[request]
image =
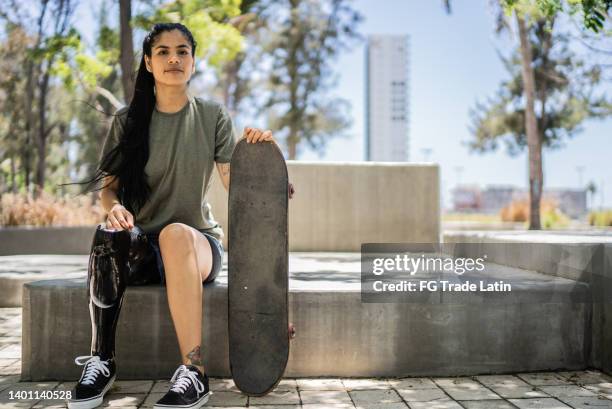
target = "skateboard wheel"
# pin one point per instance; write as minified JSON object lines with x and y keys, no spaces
{"x":291,"y":331}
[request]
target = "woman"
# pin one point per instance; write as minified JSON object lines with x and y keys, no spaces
{"x":156,"y":167}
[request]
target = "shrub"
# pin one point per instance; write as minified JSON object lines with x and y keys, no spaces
{"x":550,"y":215}
{"x":49,"y":210}
{"x":601,"y":218}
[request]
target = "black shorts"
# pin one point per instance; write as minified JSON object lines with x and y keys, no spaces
{"x":217,"y":255}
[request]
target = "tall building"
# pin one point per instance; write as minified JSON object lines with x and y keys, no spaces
{"x":386,"y":97}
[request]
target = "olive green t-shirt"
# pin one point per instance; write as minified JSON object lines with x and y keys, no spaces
{"x":183,"y":148}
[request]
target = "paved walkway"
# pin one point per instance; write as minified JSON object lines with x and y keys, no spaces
{"x":581,"y":389}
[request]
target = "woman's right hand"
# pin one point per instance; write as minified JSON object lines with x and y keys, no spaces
{"x":119,"y":218}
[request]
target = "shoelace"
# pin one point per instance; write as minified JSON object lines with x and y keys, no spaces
{"x":93,"y":367}
{"x":183,"y":377}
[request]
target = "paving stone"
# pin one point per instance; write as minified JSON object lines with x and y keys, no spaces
{"x":587,"y":402}
{"x":287,"y":384}
{"x":164,"y":386}
{"x":223,"y":407}
{"x":10,"y":352}
{"x":221,"y":384}
{"x":16,"y":404}
{"x":566,"y":390}
{"x":273,"y":407}
{"x":5,"y":396}
{"x":539,"y":403}
{"x":50,"y":405}
{"x":227,"y":398}
{"x":486,"y":404}
{"x":449,"y":382}
{"x":416,"y":383}
{"x":277,"y":407}
{"x":151,"y":399}
{"x":123,"y":399}
{"x":326,"y":397}
{"x":517,"y":392}
{"x":277,"y":397}
{"x":501,"y":380}
{"x":421,"y":395}
{"x":543,"y":378}
{"x":367,"y":384}
{"x":585,"y":377}
{"x":603,"y":388}
{"x":470,"y":392}
{"x":10,"y":370}
{"x":367,"y":397}
{"x":438,"y":404}
{"x":320,"y":384}
{"x":396,"y":405}
{"x":8,"y":362}
{"x":322,"y":406}
{"x":6,"y":381}
{"x":130,"y":387}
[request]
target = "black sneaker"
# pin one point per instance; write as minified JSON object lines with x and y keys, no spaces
{"x":97,"y":378}
{"x":189,"y":389}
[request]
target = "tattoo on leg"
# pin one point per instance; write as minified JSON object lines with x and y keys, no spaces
{"x":195,"y":356}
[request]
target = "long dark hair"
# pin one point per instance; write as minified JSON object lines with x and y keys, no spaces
{"x":129,"y":158}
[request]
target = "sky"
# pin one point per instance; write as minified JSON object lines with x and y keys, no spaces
{"x":453,"y":64}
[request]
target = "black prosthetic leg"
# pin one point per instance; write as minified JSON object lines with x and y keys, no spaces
{"x":117,"y":259}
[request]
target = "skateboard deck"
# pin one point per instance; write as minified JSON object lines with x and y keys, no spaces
{"x":258,"y":267}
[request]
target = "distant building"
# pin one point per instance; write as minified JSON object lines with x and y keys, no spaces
{"x":466,"y":198}
{"x":386,"y":98}
{"x":492,"y":199}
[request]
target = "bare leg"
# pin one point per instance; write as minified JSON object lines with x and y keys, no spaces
{"x":188,"y":261}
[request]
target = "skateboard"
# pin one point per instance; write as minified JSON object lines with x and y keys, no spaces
{"x":258,"y":282}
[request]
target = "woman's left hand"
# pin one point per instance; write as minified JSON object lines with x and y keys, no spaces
{"x":254,"y":135}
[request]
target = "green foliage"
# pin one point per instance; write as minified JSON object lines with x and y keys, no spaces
{"x":594,"y":12}
{"x":566,"y":95}
{"x":601,"y":218}
{"x":218,"y":41}
{"x":554,"y":219}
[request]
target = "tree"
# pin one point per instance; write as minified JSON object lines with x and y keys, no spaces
{"x":526,"y":13}
{"x":127,"y":49}
{"x":591,"y":189}
{"x":523,"y":9}
{"x":301,"y":44}
{"x":564,"y":90}
{"x":12,"y":115}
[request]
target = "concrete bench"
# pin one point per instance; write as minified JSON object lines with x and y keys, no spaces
{"x":583,"y":256}
{"x":544,"y":324}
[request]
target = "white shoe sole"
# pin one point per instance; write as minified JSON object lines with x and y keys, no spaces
{"x":91,"y":402}
{"x":195,"y":405}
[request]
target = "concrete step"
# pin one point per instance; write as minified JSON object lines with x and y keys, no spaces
{"x":585,"y":256}
{"x":542,"y":324}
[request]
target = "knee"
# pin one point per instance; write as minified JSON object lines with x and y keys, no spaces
{"x":176,"y":237}
{"x":174,"y":233}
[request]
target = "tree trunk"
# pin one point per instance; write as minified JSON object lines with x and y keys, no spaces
{"x":127,"y":49}
{"x":533,"y":137}
{"x":41,"y":142}
{"x":13,"y":172}
{"x":292,"y":141}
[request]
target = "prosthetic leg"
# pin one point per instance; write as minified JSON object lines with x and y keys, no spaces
{"x":117,"y":259}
